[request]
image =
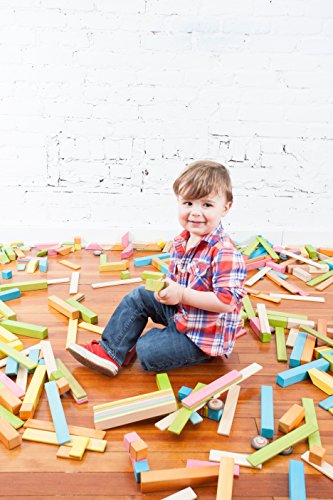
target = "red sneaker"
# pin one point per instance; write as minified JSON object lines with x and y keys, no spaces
{"x":93,"y":356}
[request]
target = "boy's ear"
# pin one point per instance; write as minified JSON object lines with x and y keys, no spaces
{"x":227,"y":208}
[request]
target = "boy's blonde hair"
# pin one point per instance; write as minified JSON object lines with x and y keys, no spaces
{"x":201,"y":178}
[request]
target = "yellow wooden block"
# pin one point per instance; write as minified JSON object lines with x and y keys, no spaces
{"x":32,"y":266}
{"x":48,"y":437}
{"x":16,"y":344}
{"x":69,"y":264}
{"x":33,"y":393}
{"x":114,"y":266}
{"x":62,"y":307}
{"x":77,"y":243}
{"x":226,"y":479}
{"x":117,"y":247}
{"x":6,"y":336}
{"x":71,"y":332}
{"x":322,"y":380}
{"x":91,"y":328}
{"x":79,"y":447}
{"x":46,"y":425}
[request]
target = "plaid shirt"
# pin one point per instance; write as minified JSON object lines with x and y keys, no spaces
{"x":215,"y":265}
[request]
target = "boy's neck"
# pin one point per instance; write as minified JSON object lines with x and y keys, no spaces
{"x":193,"y":241}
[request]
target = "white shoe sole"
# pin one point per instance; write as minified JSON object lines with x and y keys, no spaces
{"x":92,"y":361}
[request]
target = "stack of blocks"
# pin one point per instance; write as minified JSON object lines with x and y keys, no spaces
{"x":138,"y":453}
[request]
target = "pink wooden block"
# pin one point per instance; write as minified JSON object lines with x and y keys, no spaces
{"x":255,"y":325}
{"x":277,"y":267}
{"x":94,"y":246}
{"x":258,"y":263}
{"x":130,"y":438}
{"x":127,"y":252}
{"x":11,"y":385}
{"x":214,"y":387}
{"x":300,"y":291}
{"x":202,"y":463}
{"x":79,"y":401}
{"x":52,"y":251}
{"x":43,"y":246}
{"x":241,"y":332}
{"x":125,"y":240}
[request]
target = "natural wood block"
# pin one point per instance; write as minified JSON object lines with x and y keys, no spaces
{"x":292,"y":418}
{"x":62,"y":307}
{"x":138,"y":450}
{"x":8,"y":435}
{"x":317,"y":454}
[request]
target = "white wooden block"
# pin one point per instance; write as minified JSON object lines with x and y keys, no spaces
{"x":225,"y":423}
{"x":116,"y":282}
{"x":22,"y":377}
{"x":263,"y":320}
{"x":57,"y":280}
{"x":301,"y":274}
{"x":74,"y":285}
{"x":305,"y":298}
{"x":240,"y":458}
{"x":256,"y":277}
{"x":50,"y":362}
{"x":292,"y":336}
{"x":186,"y":494}
{"x":325,"y":468}
{"x":294,"y":322}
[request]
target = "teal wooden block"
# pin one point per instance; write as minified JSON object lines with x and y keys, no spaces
{"x":140,"y":466}
{"x":297,"y":489}
{"x":12,"y":367}
{"x":43,"y":264}
{"x":267,"y":412}
{"x":7,"y":275}
{"x":13,"y":293}
{"x":327,"y":403}
{"x":147,"y":260}
{"x":296,"y":353}
{"x":300,"y":373}
{"x":57,"y":412}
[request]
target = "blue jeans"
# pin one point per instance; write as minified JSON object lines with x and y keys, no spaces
{"x":159,"y":349}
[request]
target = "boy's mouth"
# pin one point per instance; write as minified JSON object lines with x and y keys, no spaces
{"x":196,"y":222}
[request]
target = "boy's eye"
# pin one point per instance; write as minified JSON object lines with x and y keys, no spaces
{"x":208,"y":205}
{"x":187,"y":203}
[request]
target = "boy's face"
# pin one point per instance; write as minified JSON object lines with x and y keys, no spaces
{"x":200,"y":217}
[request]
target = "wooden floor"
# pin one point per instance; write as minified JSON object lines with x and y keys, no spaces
{"x":33,"y":471}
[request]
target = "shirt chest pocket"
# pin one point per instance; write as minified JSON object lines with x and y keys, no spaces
{"x":199,"y":275}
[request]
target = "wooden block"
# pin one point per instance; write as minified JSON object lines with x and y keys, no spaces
{"x":91,"y":328}
{"x":25,"y":329}
{"x":190,"y":462}
{"x":292,"y":418}
{"x":74,"y":385}
{"x":298,"y":257}
{"x":325,"y":284}
{"x":327,"y":403}
{"x":269,"y":249}
{"x":12,"y":419}
{"x":296,"y":478}
{"x":64,"y":250}
{"x":78,"y":297}
{"x":281,"y":444}
{"x":46,"y":425}
{"x":18,"y":356}
{"x":263,"y":320}
{"x":325,"y":468}
{"x":32,"y":266}
{"x":79,"y":447}
{"x":302,"y":274}
{"x":267,"y":412}
{"x":9,"y":400}
{"x":47,"y":437}
{"x":322,"y":380}
{"x":116,"y":283}
{"x":69,"y":264}
{"x":61,"y":306}
{"x":225,"y":479}
{"x":317,"y":454}
{"x":311,"y":418}
{"x":71,"y":332}
{"x":250,"y":248}
{"x":248,"y":307}
{"x":309,"y":346}
{"x":8,"y":435}
{"x":86,"y":314}
{"x":185,"y":494}
{"x":227,"y":418}
{"x":11,"y":385}
{"x":57,"y":412}
{"x":25,"y":286}
{"x":239,"y":458}
{"x":320,"y":279}
{"x":220,"y":384}
{"x":64,"y":452}
{"x":6,"y":311}
{"x":255,"y":325}
{"x":296,"y":353}
{"x":292,"y":336}
{"x":138,"y":450}
{"x":114,"y":266}
{"x":56,"y":281}
{"x":129,"y":438}
{"x":62,"y":385}
{"x":156,"y":480}
{"x":50,"y":362}
{"x":33,"y":393}
{"x":155,"y":285}
{"x":74,"y":285}
{"x":300,"y":373}
{"x":278,"y":281}
{"x":281,"y":352}
{"x":22,"y":377}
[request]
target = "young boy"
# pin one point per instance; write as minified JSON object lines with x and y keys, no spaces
{"x":200,"y":306}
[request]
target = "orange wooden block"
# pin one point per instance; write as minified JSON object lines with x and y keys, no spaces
{"x":292,"y":418}
{"x":309,"y":346}
{"x":325,"y":284}
{"x":9,"y":400}
{"x":138,"y":450}
{"x":317,"y":454}
{"x":69,"y":264}
{"x":173,"y":479}
{"x":63,"y":385}
{"x":62,"y":306}
{"x":279,"y":281}
{"x":326,"y":251}
{"x":64,"y":452}
{"x":78,"y":297}
{"x":64,"y":250}
{"x":8,"y":435}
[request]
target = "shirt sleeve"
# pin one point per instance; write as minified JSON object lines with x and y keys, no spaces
{"x":172,"y":264}
{"x":228,"y":276}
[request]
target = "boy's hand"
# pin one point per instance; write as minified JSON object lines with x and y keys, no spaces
{"x":171,"y":295}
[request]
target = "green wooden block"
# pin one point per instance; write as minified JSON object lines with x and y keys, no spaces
{"x":286,"y":314}
{"x":277,"y":321}
{"x":125,"y":275}
{"x":17,"y":355}
{"x":318,"y":335}
{"x":10,"y":253}
{"x":155,"y":285}
{"x":281,"y":444}
{"x":251,"y":247}
{"x":7,"y":311}
{"x":152,"y":275}
{"x":85,"y":313}
{"x":329,"y":357}
{"x":11,"y":418}
{"x":268,"y":247}
{"x":319,"y":279}
{"x":4,"y":258}
{"x":243,"y":315}
{"x":183,"y":415}
{"x":312,"y":253}
{"x":25,"y":329}
{"x":331,"y":410}
{"x":281,"y":351}
{"x":42,"y":253}
{"x":74,"y":385}
{"x":311,"y":418}
{"x":248,"y":307}
{"x":163,"y":382}
{"x":25,"y":286}
{"x":103,"y":258}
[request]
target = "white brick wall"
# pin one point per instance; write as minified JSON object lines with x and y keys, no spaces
{"x":102,"y":103}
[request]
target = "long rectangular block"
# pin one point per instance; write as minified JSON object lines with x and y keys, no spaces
{"x":47,"y":437}
{"x":32,"y":395}
{"x":25,"y":286}
{"x":327,"y":403}
{"x":13,"y":293}
{"x":10,"y":417}
{"x":57,"y":412}
{"x":311,"y":418}
{"x":322,"y":380}
{"x":86,"y":314}
{"x":18,"y":356}
{"x":281,"y":351}
{"x":297,"y":490}
{"x":74,"y":385}
{"x":146,"y":261}
{"x":296,"y":353}
{"x":9,"y":400}
{"x":6,"y":311}
{"x":300,"y":373}
{"x":61,"y":306}
{"x":156,"y":480}
{"x":267,"y":412}
{"x":25,"y":329}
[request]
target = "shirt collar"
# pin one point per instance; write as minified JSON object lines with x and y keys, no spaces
{"x":210,"y":238}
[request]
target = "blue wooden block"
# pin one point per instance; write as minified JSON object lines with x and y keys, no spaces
{"x":43,"y":264}
{"x":296,"y":353}
{"x":13,"y":293}
{"x":281,"y":275}
{"x":214,"y":414}
{"x":183,"y":392}
{"x":327,"y":403}
{"x":146,"y":261}
{"x":195,"y":418}
{"x":267,"y":412}
{"x":12,"y":367}
{"x":297,"y":490}
{"x":258,"y":252}
{"x":57,"y":412}
{"x":140,"y":466}
{"x":20,"y":267}
{"x":41,"y":361}
{"x":7,"y":274}
{"x":164,"y":268}
{"x":294,"y":375}
{"x":34,"y":355}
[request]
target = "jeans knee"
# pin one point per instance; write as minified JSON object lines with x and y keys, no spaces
{"x":142,"y":351}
